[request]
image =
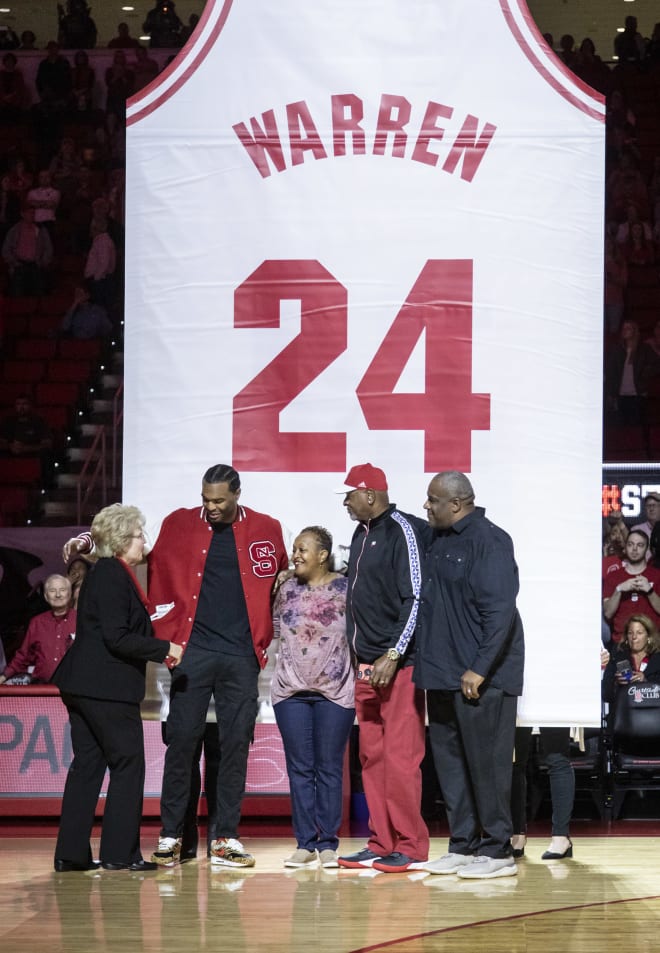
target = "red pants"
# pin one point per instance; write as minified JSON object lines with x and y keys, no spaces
{"x":392,"y":746}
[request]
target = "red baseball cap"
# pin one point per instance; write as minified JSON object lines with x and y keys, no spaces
{"x":364,"y":477}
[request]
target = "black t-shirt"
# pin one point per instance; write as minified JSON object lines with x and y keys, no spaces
{"x":222,"y":623}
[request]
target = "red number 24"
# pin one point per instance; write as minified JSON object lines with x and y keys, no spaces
{"x":439,"y":305}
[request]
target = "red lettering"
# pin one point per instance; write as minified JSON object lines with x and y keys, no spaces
{"x":343,"y":125}
{"x":299,"y":120}
{"x":389,"y":123}
{"x":471,"y":148}
{"x":440,"y":304}
{"x":262,"y":143}
{"x":430,"y":130}
{"x":258,"y":443}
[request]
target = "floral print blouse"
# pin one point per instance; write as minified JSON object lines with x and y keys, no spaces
{"x":310,"y":622}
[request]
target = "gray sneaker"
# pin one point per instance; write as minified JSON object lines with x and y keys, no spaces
{"x":301,"y":858}
{"x":448,"y":863}
{"x":328,"y":858}
{"x":483,"y":868}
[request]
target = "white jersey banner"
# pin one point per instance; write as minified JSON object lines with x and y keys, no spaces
{"x":373,"y":232}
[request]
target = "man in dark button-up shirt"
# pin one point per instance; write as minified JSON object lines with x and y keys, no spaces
{"x":470,"y":655}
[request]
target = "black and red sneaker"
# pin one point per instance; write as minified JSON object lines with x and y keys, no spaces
{"x":396,"y":863}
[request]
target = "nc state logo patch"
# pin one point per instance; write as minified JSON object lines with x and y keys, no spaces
{"x":264,"y":560}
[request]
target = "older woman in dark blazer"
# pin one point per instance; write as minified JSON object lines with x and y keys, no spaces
{"x":102,"y":681}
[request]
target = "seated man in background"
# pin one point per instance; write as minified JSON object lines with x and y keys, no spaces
{"x":49,"y":636}
{"x":633,"y":589}
{"x":24,"y":433}
{"x":85,"y":320}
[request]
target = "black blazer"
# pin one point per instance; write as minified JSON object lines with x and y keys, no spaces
{"x":610,"y":684}
{"x":114,"y":638}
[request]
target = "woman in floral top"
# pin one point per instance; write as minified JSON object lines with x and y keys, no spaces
{"x":313,"y":694}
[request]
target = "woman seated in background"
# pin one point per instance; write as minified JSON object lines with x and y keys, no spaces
{"x":102,"y":681}
{"x":312,"y":691}
{"x":635,"y":659}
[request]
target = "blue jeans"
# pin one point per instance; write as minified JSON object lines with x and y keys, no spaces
{"x":315,"y":733}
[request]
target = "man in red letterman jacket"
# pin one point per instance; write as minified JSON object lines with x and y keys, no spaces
{"x":211,"y":573}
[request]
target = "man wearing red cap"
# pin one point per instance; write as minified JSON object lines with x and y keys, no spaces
{"x":384,"y":579}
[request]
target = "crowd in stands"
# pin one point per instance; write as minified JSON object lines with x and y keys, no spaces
{"x":62,"y":180}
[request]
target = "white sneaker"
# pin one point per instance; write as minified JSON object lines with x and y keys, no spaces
{"x":229,"y":852}
{"x":168,"y":852}
{"x":448,"y":863}
{"x":483,"y":867}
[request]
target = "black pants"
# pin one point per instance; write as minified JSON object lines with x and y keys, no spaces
{"x":472,"y":745}
{"x":555,"y":745}
{"x":232,"y":681}
{"x":211,"y":747}
{"x":104,"y":734}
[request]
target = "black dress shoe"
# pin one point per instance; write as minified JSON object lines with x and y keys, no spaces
{"x":66,"y":866}
{"x":518,"y":851}
{"x":137,"y":865}
{"x":553,"y":855}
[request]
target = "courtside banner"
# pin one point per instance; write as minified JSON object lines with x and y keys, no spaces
{"x":370,"y":230}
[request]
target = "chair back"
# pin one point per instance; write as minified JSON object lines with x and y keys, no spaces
{"x":636,"y":727}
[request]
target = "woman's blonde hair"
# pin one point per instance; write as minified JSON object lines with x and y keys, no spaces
{"x":651,"y":632}
{"x":113,"y":527}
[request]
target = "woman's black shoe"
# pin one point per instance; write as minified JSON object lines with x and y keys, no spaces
{"x":137,"y":865}
{"x":518,"y":851}
{"x":553,"y":855}
{"x":66,"y":866}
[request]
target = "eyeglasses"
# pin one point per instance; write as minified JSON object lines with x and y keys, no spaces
{"x":137,"y":536}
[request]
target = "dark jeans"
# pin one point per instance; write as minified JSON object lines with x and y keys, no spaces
{"x":315,"y":733}
{"x":232,"y":681}
{"x":472,"y":745}
{"x":554,"y":746}
{"x":211,"y":747}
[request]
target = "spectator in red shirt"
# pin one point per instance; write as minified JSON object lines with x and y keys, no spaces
{"x":633,"y":589}
{"x":49,"y":635}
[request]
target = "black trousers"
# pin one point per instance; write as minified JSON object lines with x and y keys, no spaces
{"x":104,"y":734}
{"x":232,"y":681}
{"x":472,"y":746}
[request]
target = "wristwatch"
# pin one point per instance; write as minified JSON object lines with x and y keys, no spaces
{"x":393,"y":655}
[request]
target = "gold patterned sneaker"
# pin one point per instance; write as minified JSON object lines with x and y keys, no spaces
{"x":168,"y":853}
{"x":229,"y":852}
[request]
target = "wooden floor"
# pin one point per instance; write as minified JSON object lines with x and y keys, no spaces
{"x":606,"y":899}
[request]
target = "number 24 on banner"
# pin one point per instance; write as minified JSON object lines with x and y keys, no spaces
{"x":439,"y":304}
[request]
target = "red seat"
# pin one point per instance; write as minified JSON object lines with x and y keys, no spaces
{"x":75,"y":371}
{"x":35,"y":348}
{"x":20,"y":470}
{"x":56,"y":304}
{"x":64,"y":393}
{"x":41,"y":325}
{"x":14,"y":504}
{"x":27,"y":372}
{"x":57,"y":416}
{"x":72,"y":350}
{"x":15,"y":307}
